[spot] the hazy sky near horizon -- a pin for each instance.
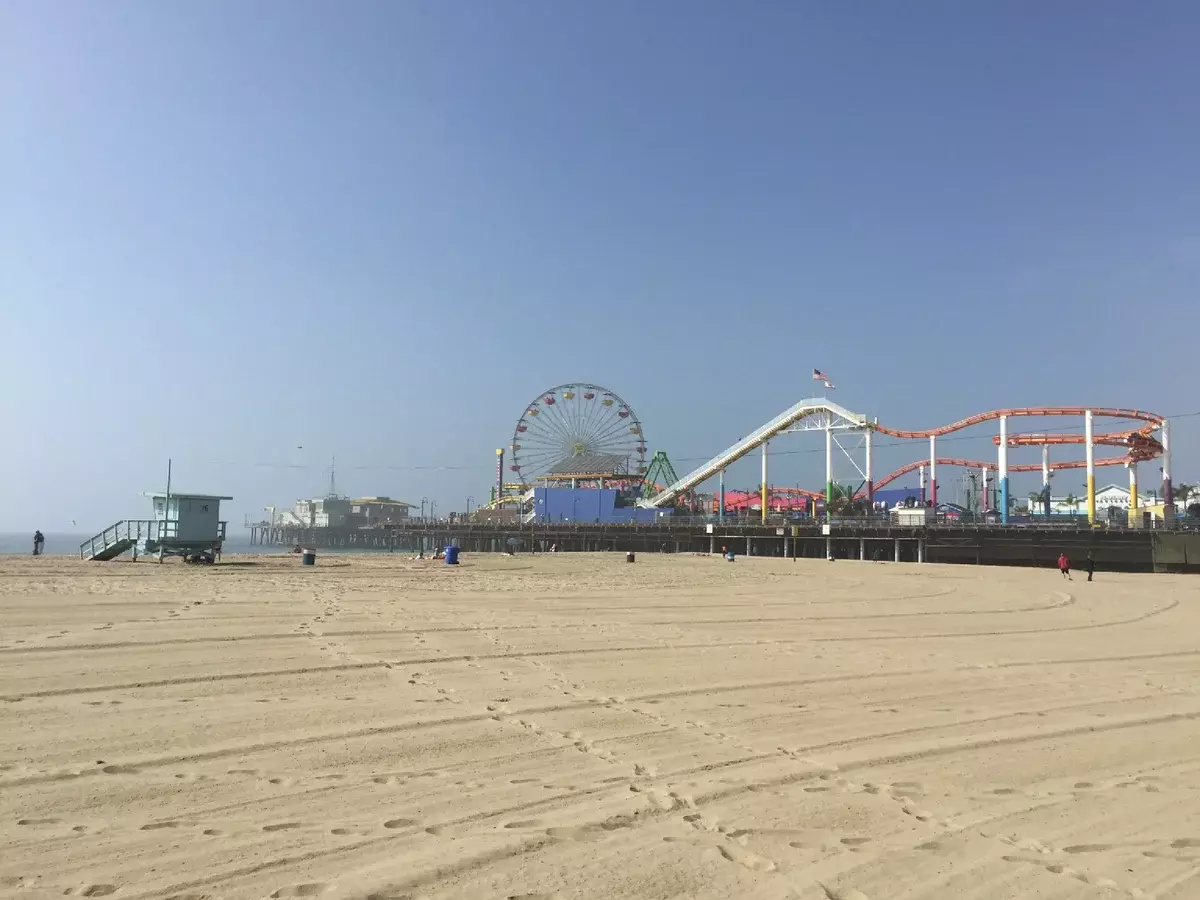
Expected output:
(229, 231)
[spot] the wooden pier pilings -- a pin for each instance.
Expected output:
(1027, 545)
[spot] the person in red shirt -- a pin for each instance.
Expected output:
(1064, 566)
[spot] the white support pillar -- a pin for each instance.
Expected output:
(870, 482)
(828, 470)
(1168, 491)
(933, 470)
(862, 548)
(1134, 518)
(921, 475)
(983, 491)
(1046, 479)
(1002, 471)
(763, 499)
(721, 498)
(829, 548)
(749, 547)
(1089, 441)
(897, 549)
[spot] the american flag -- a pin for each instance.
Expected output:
(818, 375)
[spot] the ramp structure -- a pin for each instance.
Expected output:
(816, 414)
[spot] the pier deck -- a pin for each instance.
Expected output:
(1025, 545)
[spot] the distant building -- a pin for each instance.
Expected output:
(897, 496)
(379, 509)
(338, 512)
(592, 505)
(1112, 496)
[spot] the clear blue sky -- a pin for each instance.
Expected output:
(228, 230)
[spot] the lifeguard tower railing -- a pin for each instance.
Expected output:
(129, 533)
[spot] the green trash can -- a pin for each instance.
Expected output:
(309, 558)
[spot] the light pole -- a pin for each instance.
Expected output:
(432, 506)
(470, 500)
(424, 500)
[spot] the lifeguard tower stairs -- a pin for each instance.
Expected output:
(182, 524)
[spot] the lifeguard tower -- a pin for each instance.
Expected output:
(182, 524)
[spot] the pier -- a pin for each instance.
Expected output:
(1131, 550)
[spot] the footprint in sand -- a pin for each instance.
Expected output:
(399, 823)
(742, 857)
(580, 833)
(281, 826)
(312, 889)
(98, 890)
(846, 893)
(38, 821)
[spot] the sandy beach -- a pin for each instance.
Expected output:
(570, 726)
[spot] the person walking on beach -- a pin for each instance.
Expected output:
(39, 543)
(1064, 566)
(1091, 565)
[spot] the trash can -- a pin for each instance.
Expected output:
(308, 558)
(451, 555)
(729, 556)
(629, 557)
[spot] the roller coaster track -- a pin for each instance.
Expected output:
(1028, 411)
(980, 464)
(1139, 443)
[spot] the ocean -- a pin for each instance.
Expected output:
(62, 544)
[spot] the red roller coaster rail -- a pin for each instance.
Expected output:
(1026, 411)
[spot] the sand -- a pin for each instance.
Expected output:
(572, 726)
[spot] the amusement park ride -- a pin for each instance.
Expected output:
(583, 435)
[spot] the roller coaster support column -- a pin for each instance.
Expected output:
(1168, 493)
(1046, 479)
(921, 475)
(828, 471)
(933, 470)
(764, 481)
(1134, 515)
(721, 498)
(1002, 471)
(1089, 444)
(870, 483)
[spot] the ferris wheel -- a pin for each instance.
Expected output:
(578, 431)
